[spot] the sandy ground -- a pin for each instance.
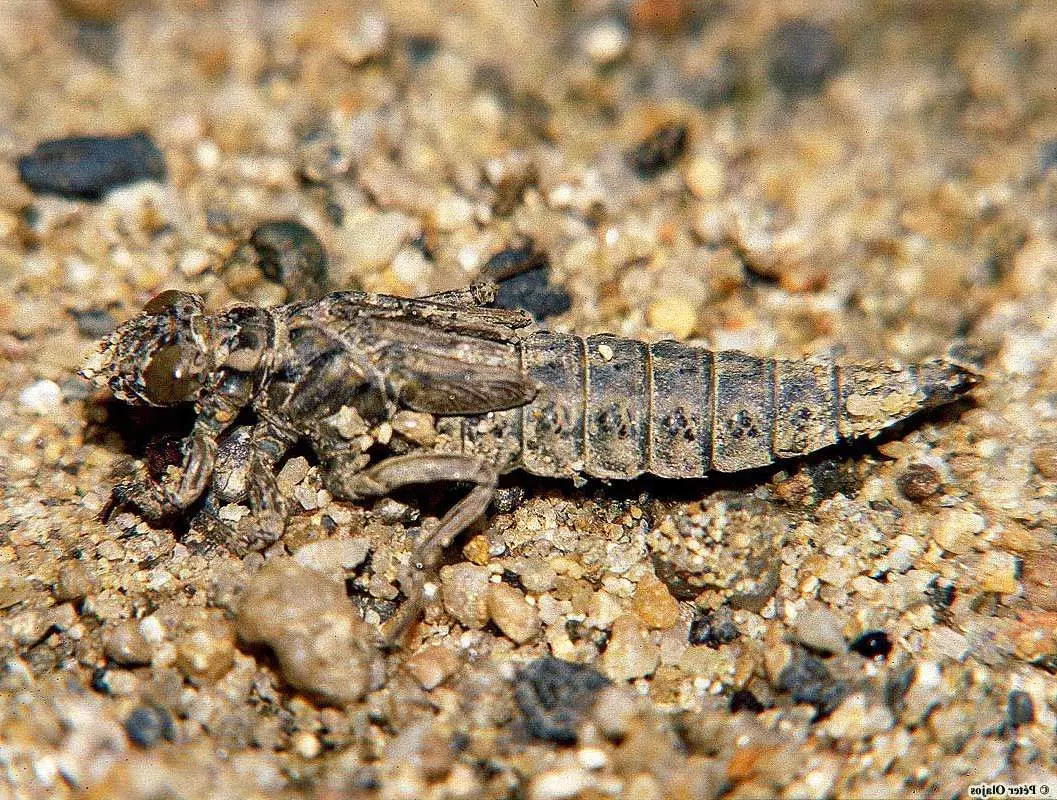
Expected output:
(866, 180)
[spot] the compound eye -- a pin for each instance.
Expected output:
(183, 303)
(170, 377)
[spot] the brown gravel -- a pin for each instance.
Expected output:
(877, 180)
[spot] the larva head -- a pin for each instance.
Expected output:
(158, 358)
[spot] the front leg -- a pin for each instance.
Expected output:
(171, 495)
(269, 442)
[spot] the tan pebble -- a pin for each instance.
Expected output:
(854, 720)
(476, 550)
(997, 572)
(306, 745)
(464, 588)
(335, 558)
(433, 665)
(73, 583)
(322, 645)
(944, 641)
(919, 482)
(655, 604)
(820, 629)
(630, 653)
(702, 661)
(704, 177)
(614, 711)
(560, 784)
(776, 659)
(955, 530)
(293, 472)
(205, 645)
(1044, 458)
(519, 621)
(606, 43)
(416, 426)
(675, 315)
(536, 576)
(125, 644)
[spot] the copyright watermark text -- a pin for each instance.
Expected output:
(1010, 790)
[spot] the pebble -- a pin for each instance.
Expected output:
(713, 629)
(530, 291)
(705, 177)
(73, 582)
(744, 700)
(554, 696)
(947, 642)
(674, 315)
(149, 724)
(1044, 459)
(803, 56)
(998, 572)
(335, 558)
(465, 590)
(43, 398)
(872, 644)
(919, 482)
(853, 719)
(808, 681)
(606, 43)
(323, 647)
(87, 167)
(205, 645)
(291, 254)
(507, 607)
(630, 653)
(1020, 709)
(560, 784)
(94, 323)
(955, 530)
(433, 665)
(416, 426)
(659, 151)
(306, 744)
(655, 604)
(821, 630)
(125, 643)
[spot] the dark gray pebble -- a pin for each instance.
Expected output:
(713, 629)
(523, 274)
(554, 695)
(149, 724)
(659, 151)
(1020, 709)
(94, 323)
(872, 644)
(803, 56)
(808, 681)
(291, 254)
(87, 167)
(744, 700)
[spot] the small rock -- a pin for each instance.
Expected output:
(73, 583)
(744, 700)
(705, 177)
(291, 255)
(335, 558)
(43, 398)
(433, 665)
(998, 572)
(630, 653)
(872, 644)
(655, 604)
(713, 629)
(293, 472)
(306, 745)
(919, 482)
(1020, 709)
(659, 151)
(125, 644)
(560, 784)
(464, 588)
(205, 645)
(821, 630)
(808, 681)
(606, 43)
(1044, 459)
(323, 647)
(524, 283)
(660, 16)
(803, 56)
(94, 323)
(519, 621)
(956, 528)
(554, 695)
(674, 315)
(944, 641)
(149, 724)
(854, 720)
(416, 426)
(87, 167)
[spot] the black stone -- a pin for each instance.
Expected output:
(808, 681)
(94, 322)
(803, 56)
(291, 254)
(744, 700)
(87, 167)
(149, 724)
(872, 644)
(1020, 709)
(659, 151)
(421, 49)
(713, 629)
(554, 695)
